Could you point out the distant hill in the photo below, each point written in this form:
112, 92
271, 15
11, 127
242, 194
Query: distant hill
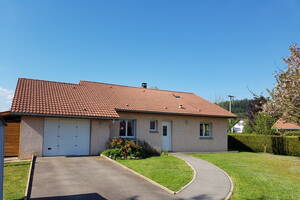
238, 107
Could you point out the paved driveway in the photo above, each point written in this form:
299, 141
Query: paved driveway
89, 178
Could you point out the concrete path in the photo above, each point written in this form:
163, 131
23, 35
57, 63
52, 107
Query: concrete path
89, 178
210, 182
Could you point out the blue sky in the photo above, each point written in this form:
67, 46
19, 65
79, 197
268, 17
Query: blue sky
211, 48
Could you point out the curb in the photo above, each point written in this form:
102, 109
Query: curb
149, 180
29, 178
194, 175
231, 185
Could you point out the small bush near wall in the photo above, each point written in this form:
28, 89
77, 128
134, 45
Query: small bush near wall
284, 145
120, 148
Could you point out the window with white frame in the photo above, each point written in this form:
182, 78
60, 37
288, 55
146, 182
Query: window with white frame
205, 130
127, 128
153, 125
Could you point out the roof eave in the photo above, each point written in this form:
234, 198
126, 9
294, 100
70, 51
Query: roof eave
174, 113
62, 116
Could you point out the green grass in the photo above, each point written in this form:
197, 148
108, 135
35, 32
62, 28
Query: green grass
259, 176
15, 179
168, 171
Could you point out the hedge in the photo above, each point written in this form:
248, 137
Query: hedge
283, 145
292, 133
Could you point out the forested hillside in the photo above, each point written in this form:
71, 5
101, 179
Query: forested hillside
238, 107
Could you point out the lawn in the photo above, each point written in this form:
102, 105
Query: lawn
168, 171
15, 179
259, 176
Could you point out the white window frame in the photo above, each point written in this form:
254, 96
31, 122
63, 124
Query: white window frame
210, 130
156, 126
126, 128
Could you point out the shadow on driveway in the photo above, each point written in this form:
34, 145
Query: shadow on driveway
90, 196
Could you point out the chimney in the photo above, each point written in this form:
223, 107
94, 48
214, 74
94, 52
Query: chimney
144, 85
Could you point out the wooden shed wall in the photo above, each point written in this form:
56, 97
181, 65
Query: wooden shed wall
11, 139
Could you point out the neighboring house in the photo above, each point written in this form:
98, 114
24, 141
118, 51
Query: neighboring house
79, 119
238, 127
282, 125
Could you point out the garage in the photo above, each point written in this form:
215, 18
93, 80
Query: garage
63, 137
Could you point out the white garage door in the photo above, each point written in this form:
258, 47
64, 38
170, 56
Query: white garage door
66, 137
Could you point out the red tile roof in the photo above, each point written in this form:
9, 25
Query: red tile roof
59, 99
93, 99
281, 124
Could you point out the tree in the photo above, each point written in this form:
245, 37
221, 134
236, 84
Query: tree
285, 97
263, 124
255, 106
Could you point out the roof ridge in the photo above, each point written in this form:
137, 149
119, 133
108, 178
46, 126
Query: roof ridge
133, 87
31, 79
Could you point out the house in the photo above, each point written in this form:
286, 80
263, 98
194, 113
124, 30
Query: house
238, 127
78, 119
282, 125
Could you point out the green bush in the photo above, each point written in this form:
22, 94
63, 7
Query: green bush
120, 148
113, 153
283, 145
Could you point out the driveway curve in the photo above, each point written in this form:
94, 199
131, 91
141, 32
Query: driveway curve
210, 182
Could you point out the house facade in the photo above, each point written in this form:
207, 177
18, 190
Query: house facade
60, 119
238, 127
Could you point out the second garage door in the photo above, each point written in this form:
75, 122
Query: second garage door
66, 137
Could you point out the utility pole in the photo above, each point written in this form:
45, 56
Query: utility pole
230, 99
230, 102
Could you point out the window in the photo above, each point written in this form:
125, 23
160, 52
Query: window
205, 130
153, 125
127, 128
165, 131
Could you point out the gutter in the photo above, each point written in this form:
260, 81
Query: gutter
121, 110
173, 113
62, 116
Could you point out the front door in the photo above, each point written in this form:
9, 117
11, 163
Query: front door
166, 136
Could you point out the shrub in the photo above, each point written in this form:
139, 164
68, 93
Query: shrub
120, 148
283, 145
113, 153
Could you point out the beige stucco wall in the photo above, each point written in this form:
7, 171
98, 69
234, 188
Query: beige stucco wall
99, 135
185, 132
31, 136
32, 131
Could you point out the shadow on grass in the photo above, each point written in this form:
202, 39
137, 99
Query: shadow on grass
258, 198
